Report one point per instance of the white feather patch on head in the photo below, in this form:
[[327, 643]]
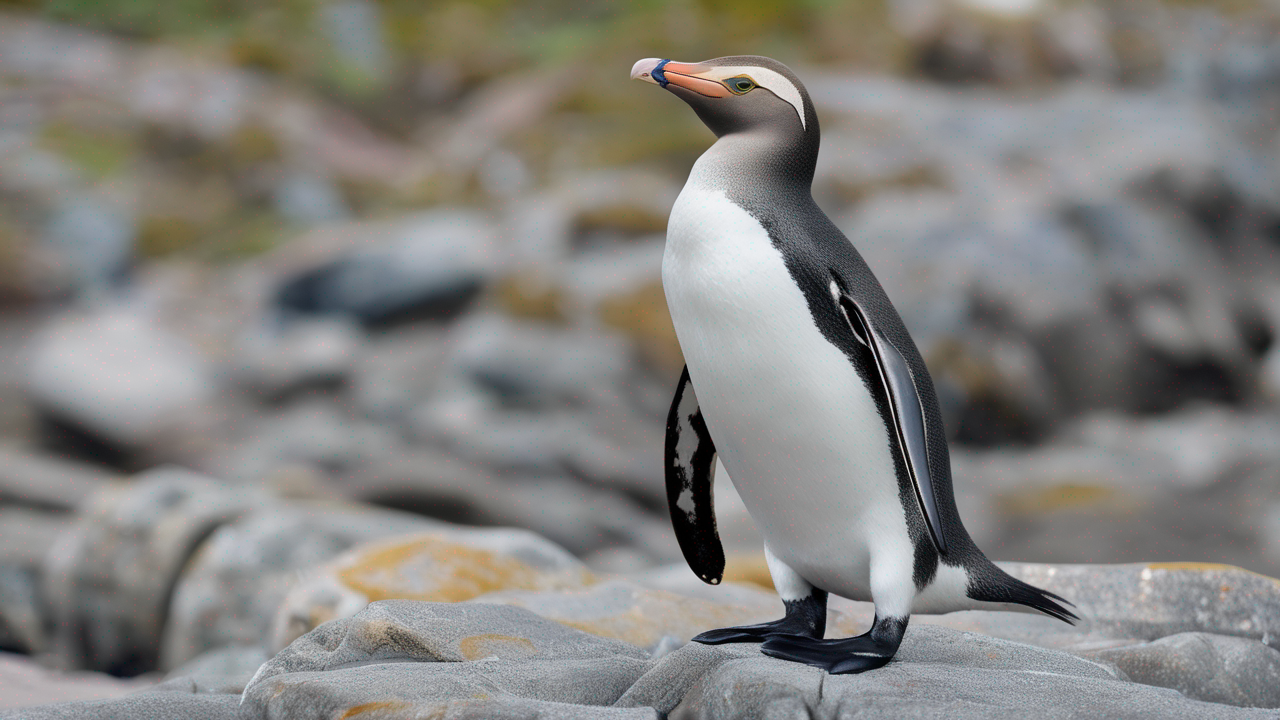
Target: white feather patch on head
[[770, 80]]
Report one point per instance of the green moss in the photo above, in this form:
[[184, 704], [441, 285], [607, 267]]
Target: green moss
[[99, 153]]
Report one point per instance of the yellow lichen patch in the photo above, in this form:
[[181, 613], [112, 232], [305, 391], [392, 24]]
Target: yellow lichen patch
[[751, 569], [377, 708], [658, 614], [1063, 496], [434, 570], [530, 298], [503, 646]]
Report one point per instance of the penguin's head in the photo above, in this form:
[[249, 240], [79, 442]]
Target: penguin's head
[[736, 94]]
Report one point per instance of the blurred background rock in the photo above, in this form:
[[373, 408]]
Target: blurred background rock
[[408, 255]]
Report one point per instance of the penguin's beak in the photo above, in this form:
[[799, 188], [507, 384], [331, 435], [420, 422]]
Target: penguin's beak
[[690, 76]]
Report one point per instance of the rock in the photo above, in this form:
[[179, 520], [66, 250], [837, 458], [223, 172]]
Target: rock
[[40, 481], [312, 433], [149, 706], [536, 361], [433, 262], [94, 241], [117, 375], [938, 672], [25, 538], [309, 198], [410, 659], [107, 581], [623, 610], [230, 589], [397, 369], [1214, 668], [278, 357], [225, 670], [24, 683], [1154, 600], [447, 565]]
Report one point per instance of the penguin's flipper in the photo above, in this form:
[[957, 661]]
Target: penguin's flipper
[[690, 469], [904, 402]]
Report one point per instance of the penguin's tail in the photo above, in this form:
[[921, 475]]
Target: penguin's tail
[[994, 585]]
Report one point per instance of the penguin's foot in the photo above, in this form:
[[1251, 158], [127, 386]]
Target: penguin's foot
[[753, 633], [806, 617], [849, 655]]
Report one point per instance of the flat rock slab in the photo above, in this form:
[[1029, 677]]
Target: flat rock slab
[[409, 659], [938, 673], [1215, 668], [149, 706], [1155, 600]]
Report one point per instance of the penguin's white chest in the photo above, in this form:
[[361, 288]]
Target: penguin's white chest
[[793, 422]]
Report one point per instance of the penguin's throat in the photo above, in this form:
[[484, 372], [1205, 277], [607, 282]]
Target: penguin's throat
[[761, 158]]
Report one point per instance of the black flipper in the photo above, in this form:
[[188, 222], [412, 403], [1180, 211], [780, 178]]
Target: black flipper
[[868, 651], [806, 617], [690, 468], [904, 402]]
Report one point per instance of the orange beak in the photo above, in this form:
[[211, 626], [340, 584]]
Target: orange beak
[[690, 76]]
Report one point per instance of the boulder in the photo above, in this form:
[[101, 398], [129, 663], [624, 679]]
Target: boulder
[[409, 659], [432, 263], [108, 580], [25, 538], [1214, 668], [1154, 600], [119, 377], [446, 565], [229, 591], [938, 672], [225, 670]]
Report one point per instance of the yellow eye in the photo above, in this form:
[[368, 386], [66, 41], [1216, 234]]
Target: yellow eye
[[740, 85]]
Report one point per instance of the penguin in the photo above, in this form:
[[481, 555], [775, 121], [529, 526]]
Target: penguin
[[803, 382]]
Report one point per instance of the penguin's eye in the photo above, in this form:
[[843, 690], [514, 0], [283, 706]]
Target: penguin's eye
[[740, 85]]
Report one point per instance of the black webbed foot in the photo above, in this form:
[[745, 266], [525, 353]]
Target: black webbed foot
[[848, 655], [806, 618]]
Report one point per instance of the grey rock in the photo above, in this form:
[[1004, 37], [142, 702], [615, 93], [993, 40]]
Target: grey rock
[[418, 657], [150, 706], [277, 357], [429, 262], [538, 361], [94, 240], [25, 539], [1204, 666], [1153, 600], [309, 198], [107, 581], [24, 683], [225, 670], [312, 433], [44, 482], [937, 673], [117, 374], [229, 591]]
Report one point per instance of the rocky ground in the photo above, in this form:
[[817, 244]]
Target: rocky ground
[[292, 609], [271, 359]]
